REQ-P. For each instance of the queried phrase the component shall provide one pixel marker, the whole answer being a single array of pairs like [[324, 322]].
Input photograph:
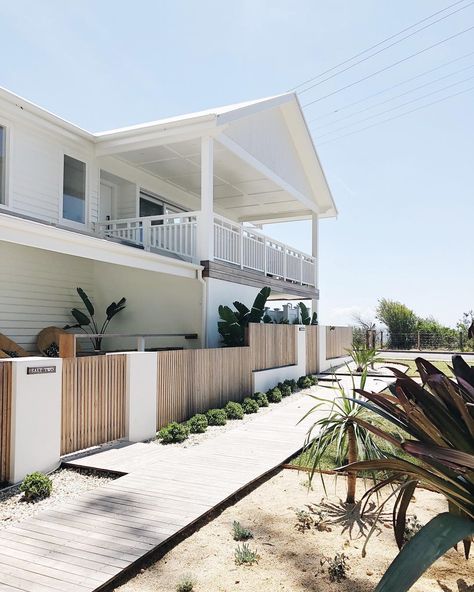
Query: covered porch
[[199, 188]]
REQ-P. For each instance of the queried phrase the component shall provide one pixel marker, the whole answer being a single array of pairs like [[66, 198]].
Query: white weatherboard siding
[[38, 289], [266, 137]]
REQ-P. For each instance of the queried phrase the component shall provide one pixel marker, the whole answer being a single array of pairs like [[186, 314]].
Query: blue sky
[[404, 188]]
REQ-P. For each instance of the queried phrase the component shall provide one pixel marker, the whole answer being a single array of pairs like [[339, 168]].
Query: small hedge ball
[[313, 378], [274, 395], [198, 424], [234, 410], [216, 417], [285, 390], [173, 432], [291, 383], [36, 486], [249, 405], [261, 399], [304, 382]]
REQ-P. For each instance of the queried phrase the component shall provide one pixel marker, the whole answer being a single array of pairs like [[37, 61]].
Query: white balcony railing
[[233, 243], [250, 249], [174, 233]]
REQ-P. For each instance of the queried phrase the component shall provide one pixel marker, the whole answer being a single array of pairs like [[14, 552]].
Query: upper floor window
[[74, 190], [3, 146]]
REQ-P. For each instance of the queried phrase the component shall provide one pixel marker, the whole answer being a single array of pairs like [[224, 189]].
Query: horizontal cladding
[[38, 289]]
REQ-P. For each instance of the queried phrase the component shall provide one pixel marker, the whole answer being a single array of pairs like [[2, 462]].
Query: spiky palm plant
[[338, 426], [439, 416], [363, 357]]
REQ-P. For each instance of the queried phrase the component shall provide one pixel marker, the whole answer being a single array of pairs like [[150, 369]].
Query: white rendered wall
[[221, 292], [36, 418]]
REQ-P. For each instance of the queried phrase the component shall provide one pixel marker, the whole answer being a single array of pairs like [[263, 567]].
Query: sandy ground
[[290, 560]]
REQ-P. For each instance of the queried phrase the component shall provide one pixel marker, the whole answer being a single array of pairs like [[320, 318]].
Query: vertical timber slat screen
[[312, 365], [271, 345], [338, 341], [5, 419], [193, 381], [93, 401]]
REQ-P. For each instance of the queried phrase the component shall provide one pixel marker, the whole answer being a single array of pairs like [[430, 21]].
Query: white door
[[106, 206]]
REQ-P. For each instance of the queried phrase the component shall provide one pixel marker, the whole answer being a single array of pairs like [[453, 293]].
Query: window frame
[[66, 221]]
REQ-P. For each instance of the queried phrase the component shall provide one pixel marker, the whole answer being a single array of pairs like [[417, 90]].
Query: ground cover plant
[[261, 399], [234, 410], [239, 533], [249, 406], [197, 424], [173, 432], [216, 417], [186, 584], [245, 556], [36, 486]]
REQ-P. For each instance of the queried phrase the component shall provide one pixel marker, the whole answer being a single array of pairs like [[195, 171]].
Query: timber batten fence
[[312, 362], [93, 401], [193, 381], [5, 419], [338, 341], [272, 346]]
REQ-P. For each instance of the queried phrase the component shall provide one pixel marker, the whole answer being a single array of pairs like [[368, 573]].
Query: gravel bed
[[67, 484], [213, 431]]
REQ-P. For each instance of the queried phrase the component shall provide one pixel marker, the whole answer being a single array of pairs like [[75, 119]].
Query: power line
[[396, 116], [445, 40], [382, 49], [406, 81], [396, 107], [395, 97]]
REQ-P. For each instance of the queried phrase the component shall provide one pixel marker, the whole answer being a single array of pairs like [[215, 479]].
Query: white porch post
[[205, 226], [315, 254]]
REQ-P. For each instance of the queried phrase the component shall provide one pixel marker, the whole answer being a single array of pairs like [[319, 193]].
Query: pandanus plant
[[88, 324], [232, 324], [438, 415], [339, 426]]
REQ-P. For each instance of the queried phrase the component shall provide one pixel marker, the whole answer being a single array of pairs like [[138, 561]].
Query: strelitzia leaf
[[87, 303], [80, 317], [431, 542]]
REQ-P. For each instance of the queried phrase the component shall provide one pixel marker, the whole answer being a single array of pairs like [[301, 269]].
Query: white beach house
[[167, 214]]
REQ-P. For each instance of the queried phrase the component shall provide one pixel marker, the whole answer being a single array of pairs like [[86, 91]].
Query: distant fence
[[5, 419], [93, 401], [272, 346], [193, 381], [312, 362], [449, 340], [338, 341]]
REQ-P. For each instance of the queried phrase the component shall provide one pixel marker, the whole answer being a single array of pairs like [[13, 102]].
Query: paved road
[[411, 355]]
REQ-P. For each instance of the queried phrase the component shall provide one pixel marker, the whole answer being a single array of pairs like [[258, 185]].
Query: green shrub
[[36, 486], [197, 424], [285, 389], [186, 584], [234, 410], [274, 395], [173, 432], [313, 378], [216, 417], [261, 399], [291, 383], [304, 382], [245, 556], [249, 405], [240, 533]]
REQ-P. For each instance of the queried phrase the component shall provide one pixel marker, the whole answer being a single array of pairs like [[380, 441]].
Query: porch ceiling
[[241, 192]]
